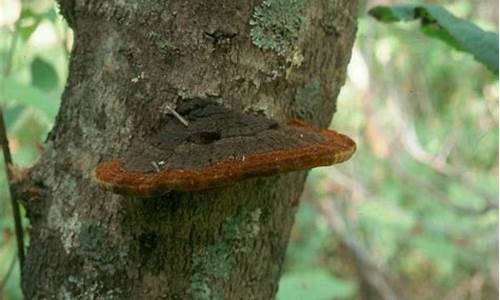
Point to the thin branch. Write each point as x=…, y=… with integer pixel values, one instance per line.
x=411, y=144
x=438, y=194
x=16, y=212
x=376, y=276
x=177, y=115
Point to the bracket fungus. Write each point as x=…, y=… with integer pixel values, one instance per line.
x=218, y=148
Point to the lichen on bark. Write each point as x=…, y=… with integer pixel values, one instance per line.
x=276, y=24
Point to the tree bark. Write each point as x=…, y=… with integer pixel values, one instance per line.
x=130, y=58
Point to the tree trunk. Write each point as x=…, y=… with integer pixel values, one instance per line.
x=282, y=58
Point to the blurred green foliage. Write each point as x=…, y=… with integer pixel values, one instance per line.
x=437, y=22
x=413, y=215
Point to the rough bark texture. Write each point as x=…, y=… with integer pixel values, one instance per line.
x=130, y=59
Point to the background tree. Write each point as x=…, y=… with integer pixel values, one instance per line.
x=283, y=58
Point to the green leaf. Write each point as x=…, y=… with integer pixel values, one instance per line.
x=437, y=22
x=13, y=91
x=43, y=75
x=314, y=284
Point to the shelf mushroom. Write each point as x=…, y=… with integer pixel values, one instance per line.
x=218, y=148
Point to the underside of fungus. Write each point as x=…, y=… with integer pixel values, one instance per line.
x=217, y=148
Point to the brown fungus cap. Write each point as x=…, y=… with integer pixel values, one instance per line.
x=218, y=148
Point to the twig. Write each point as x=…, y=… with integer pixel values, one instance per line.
x=376, y=276
x=16, y=212
x=176, y=114
x=438, y=194
x=409, y=140
x=155, y=165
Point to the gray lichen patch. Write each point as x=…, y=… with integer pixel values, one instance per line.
x=68, y=236
x=212, y=266
x=275, y=24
